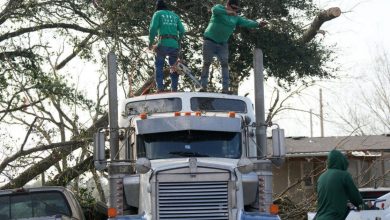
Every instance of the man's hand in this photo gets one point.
(263, 23)
(152, 47)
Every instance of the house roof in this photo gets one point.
(321, 145)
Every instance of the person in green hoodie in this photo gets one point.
(223, 22)
(167, 26)
(335, 188)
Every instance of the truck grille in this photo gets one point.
(193, 200)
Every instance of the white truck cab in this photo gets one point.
(190, 156)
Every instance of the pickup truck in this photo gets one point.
(40, 203)
(377, 205)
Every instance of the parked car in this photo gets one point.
(40, 203)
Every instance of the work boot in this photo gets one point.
(202, 89)
(225, 91)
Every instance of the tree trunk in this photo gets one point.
(321, 18)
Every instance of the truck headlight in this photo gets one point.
(245, 165)
(143, 165)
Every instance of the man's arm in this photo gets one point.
(250, 23)
(247, 23)
(153, 28)
(353, 193)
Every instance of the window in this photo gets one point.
(307, 174)
(189, 144)
(217, 105)
(154, 106)
(34, 204)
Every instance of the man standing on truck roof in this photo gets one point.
(223, 22)
(335, 188)
(167, 26)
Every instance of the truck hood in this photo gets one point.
(212, 162)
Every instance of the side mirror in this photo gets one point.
(245, 165)
(143, 165)
(278, 146)
(99, 155)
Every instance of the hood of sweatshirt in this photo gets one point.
(336, 160)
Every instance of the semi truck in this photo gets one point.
(187, 155)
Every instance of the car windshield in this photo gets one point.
(32, 205)
(189, 144)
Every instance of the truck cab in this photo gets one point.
(190, 156)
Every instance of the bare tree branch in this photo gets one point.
(19, 154)
(55, 156)
(63, 178)
(9, 8)
(22, 31)
(76, 51)
(10, 55)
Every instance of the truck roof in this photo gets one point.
(164, 104)
(34, 189)
(186, 95)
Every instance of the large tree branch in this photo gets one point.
(58, 154)
(4, 15)
(321, 18)
(55, 156)
(47, 26)
(9, 55)
(63, 145)
(18, 108)
(63, 178)
(78, 49)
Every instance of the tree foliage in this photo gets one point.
(43, 41)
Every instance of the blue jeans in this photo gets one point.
(172, 54)
(221, 51)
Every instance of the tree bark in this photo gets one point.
(63, 178)
(321, 18)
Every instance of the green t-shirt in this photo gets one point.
(165, 22)
(222, 25)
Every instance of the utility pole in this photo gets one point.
(311, 123)
(321, 115)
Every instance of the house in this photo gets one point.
(306, 159)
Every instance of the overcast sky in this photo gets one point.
(362, 28)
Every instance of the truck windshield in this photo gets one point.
(189, 144)
(32, 205)
(154, 106)
(217, 105)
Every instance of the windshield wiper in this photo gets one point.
(188, 154)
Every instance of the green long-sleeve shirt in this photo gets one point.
(335, 188)
(165, 22)
(222, 25)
